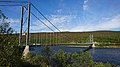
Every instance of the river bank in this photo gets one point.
(95, 46)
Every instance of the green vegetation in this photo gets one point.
(11, 53)
(103, 38)
(64, 59)
(4, 24)
(10, 56)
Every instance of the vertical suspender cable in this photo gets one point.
(41, 38)
(45, 38)
(49, 38)
(53, 38)
(35, 38)
(56, 38)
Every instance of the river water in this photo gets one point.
(111, 55)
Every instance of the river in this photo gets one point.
(111, 55)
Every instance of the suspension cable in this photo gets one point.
(49, 22)
(46, 18)
(40, 20)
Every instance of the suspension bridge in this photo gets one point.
(51, 38)
(55, 37)
(48, 38)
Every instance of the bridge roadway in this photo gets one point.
(56, 44)
(26, 50)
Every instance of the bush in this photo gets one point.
(81, 59)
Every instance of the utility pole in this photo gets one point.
(21, 26)
(27, 42)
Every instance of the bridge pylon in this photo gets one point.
(92, 40)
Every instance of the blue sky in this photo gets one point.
(70, 15)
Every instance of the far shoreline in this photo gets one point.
(95, 46)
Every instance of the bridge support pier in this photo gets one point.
(26, 51)
(93, 45)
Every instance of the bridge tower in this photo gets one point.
(91, 38)
(26, 50)
(92, 41)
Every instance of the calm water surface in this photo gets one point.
(111, 55)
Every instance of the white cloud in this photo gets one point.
(85, 5)
(55, 19)
(46, 31)
(36, 25)
(60, 21)
(81, 28)
(13, 21)
(113, 23)
(110, 24)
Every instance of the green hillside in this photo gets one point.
(101, 37)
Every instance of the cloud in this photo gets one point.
(81, 28)
(112, 23)
(109, 24)
(55, 19)
(36, 25)
(85, 5)
(13, 21)
(61, 21)
(46, 31)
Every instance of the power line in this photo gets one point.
(46, 18)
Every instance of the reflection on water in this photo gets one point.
(92, 51)
(111, 55)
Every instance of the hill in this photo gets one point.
(102, 37)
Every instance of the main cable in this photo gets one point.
(45, 17)
(40, 20)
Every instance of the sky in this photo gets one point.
(69, 15)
